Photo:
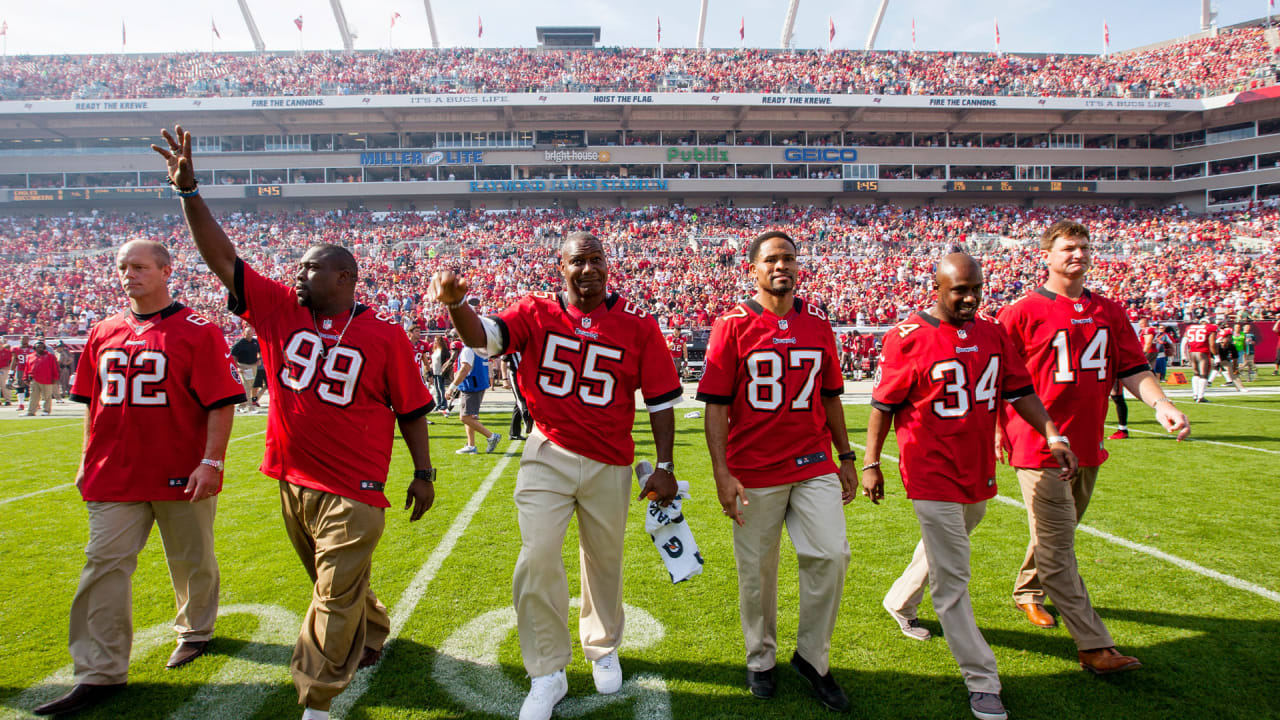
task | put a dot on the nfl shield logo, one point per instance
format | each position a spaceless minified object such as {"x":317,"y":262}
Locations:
{"x":962,"y":334}
{"x":782,"y":324}
{"x":327,"y":324}
{"x":1079,"y":307}
{"x":586,"y":322}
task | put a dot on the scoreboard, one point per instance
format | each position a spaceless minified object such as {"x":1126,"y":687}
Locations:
{"x":85,"y":194}
{"x":1027,"y":186}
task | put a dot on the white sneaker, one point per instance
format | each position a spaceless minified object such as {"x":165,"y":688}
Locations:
{"x":313,"y":714}
{"x":544,"y":692}
{"x":466,"y":450}
{"x":607,"y":672}
{"x":909,"y":626}
{"x":492,"y":443}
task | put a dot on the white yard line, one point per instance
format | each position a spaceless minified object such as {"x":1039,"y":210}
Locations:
{"x":43,"y":429}
{"x":1230,"y":580}
{"x":246,"y":437}
{"x":1200,"y":440}
{"x":16,"y":498}
{"x":1243,"y":407}
{"x":418,"y":586}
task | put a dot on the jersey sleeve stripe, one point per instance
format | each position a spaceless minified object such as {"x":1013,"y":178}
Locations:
{"x":1019,"y":393}
{"x":81,"y":398}
{"x":1134,"y":370}
{"x":833,"y":392}
{"x":235,"y":300}
{"x":714,"y":399}
{"x":886,"y":407}
{"x":664,"y":401}
{"x":415,"y":414}
{"x":228,"y":400}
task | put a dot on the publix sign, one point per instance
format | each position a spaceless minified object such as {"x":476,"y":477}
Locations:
{"x":702,"y":154}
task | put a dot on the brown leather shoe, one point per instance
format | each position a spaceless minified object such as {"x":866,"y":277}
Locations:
{"x":185,"y":653}
{"x":1037,"y":615}
{"x":1105,"y":661}
{"x":369,"y":657}
{"x":81,"y":697}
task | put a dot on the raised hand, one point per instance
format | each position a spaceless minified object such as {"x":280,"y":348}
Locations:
{"x":178,"y":158}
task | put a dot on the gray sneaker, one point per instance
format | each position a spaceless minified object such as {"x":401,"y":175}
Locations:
{"x":987,"y":706}
{"x":492,"y":444}
{"x":910,"y":627}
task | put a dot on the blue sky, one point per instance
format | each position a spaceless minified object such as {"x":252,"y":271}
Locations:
{"x":76,"y":26}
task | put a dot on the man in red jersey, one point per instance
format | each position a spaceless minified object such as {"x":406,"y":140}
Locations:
{"x":944,"y":373}
{"x":6,"y":359}
{"x":42,"y":369}
{"x":1201,"y":344}
{"x":336,"y":371}
{"x":677,"y":344}
{"x":1077,"y":345}
{"x":772,"y":386}
{"x":421,"y":351}
{"x":586,"y":351}
{"x":161,"y":394}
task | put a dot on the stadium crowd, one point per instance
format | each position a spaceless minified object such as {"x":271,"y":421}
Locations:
{"x":867,"y":265}
{"x":1191,"y":69}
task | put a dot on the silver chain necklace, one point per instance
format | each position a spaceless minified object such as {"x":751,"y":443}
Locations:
{"x":325,"y":350}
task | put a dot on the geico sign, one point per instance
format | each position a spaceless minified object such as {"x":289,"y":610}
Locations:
{"x":814,"y":154}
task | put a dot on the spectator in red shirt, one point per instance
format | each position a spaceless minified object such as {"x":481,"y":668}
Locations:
{"x":6,"y":358}
{"x":42,"y":368}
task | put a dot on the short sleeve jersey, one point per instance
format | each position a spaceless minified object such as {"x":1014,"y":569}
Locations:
{"x":422,"y":353}
{"x":149,"y":387}
{"x":1199,"y":335}
{"x":773,"y":372}
{"x":1147,"y":336}
{"x":1076,"y":351}
{"x":337,"y":386}
{"x":944,"y":386}
{"x":580,"y":371}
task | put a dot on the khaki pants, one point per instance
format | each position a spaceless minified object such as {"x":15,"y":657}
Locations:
{"x":247,"y":374}
{"x":907,"y":592}
{"x":814,"y":516}
{"x":101,"y":633}
{"x":41,"y":392}
{"x":6,"y":394}
{"x":334,"y":537}
{"x":944,"y":530}
{"x":1054,"y":508}
{"x":553,"y":483}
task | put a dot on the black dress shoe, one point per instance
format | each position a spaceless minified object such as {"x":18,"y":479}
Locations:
{"x":185,"y":653}
{"x":762,"y":683}
{"x":824,"y":686}
{"x":81,"y":697}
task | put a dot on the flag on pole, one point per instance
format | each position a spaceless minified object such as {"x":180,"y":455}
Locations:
{"x":913,"y":33}
{"x":831,"y":30}
{"x":1106,"y":38}
{"x":298,"y":21}
{"x":479,"y":27}
{"x":394,"y":17}
{"x":659,"y":29}
{"x":4,"y":28}
{"x":997,"y":37}
{"x":214,"y":26}
{"x":742,"y":28}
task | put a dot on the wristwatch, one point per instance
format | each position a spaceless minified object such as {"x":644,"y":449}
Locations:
{"x":1058,"y":439}
{"x":429,"y":475}
{"x":215,"y":464}
{"x":668,"y":466}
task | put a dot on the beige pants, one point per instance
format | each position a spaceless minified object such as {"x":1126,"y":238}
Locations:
{"x":6,"y":394}
{"x":41,"y":393}
{"x":334,"y":537}
{"x":907,"y":592}
{"x":944,"y":531}
{"x":1054,"y":508}
{"x":101,"y":633}
{"x":553,"y":483}
{"x":814,"y":516}
{"x":247,"y":375}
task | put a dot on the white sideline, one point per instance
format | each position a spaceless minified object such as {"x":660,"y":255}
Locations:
{"x":16,"y":498}
{"x":246,"y":437}
{"x":417,"y":588}
{"x":1230,"y":580}
{"x":1200,"y":440}
{"x":28,"y":432}
{"x":1243,"y":407}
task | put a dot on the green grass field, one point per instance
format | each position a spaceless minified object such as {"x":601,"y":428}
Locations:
{"x":1209,"y":648}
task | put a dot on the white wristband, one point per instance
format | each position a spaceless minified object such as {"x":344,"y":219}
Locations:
{"x":1058,"y":439}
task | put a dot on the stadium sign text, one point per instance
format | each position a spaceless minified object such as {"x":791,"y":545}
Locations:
{"x":826,"y":154}
{"x":704,"y":154}
{"x":567,"y":185}
{"x":796,"y":100}
{"x":418,"y":157}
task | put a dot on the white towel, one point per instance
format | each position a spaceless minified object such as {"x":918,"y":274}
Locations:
{"x":670,"y":533}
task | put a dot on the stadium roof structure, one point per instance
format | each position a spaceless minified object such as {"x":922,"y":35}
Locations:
{"x":567,"y":36}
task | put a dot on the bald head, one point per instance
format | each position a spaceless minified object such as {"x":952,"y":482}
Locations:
{"x":959,"y":284}
{"x":579,"y":239}
{"x":338,"y":258}
{"x":584,"y":269}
